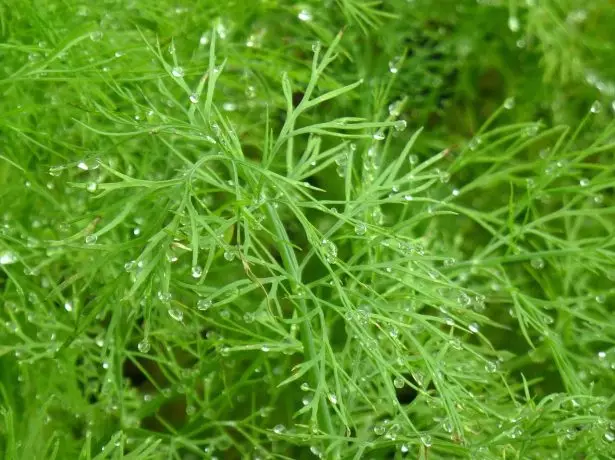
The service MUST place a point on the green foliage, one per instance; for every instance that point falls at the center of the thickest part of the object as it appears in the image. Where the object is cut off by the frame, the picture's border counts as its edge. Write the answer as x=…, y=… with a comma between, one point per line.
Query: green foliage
x=341, y=229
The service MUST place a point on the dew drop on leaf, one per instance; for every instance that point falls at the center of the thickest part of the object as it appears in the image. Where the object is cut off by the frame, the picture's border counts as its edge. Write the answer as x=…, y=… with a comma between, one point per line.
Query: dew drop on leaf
x=144, y=346
x=305, y=15
x=537, y=263
x=400, y=125
x=196, y=271
x=7, y=258
x=513, y=23
x=379, y=429
x=176, y=314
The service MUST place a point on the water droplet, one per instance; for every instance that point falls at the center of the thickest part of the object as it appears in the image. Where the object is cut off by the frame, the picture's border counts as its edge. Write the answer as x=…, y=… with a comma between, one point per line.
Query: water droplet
x=515, y=432
x=449, y=261
x=378, y=215
x=584, y=182
x=176, y=314
x=330, y=251
x=378, y=136
x=55, y=171
x=509, y=103
x=426, y=440
x=248, y=317
x=413, y=160
x=379, y=429
x=177, y=72
x=530, y=183
x=418, y=377
x=91, y=239
x=305, y=386
x=316, y=451
x=194, y=98
x=531, y=130
x=400, y=125
x=394, y=64
x=474, y=328
x=221, y=30
x=491, y=366
x=332, y=398
x=204, y=40
x=537, y=263
x=360, y=229
x=475, y=142
x=130, y=266
x=68, y=306
x=455, y=343
x=393, y=431
x=279, y=429
x=395, y=108
x=144, y=346
x=464, y=299
x=164, y=296
x=7, y=258
x=600, y=298
x=96, y=35
x=92, y=187
x=609, y=436
x=404, y=449
x=399, y=382
x=444, y=176
x=305, y=15
x=229, y=255
x=596, y=107
x=250, y=92
x=197, y=271
x=408, y=197
x=229, y=106
x=316, y=46
x=513, y=23
x=204, y=304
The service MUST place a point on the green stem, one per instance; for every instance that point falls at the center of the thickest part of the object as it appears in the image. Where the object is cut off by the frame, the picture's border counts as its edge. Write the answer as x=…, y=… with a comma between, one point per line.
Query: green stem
x=307, y=338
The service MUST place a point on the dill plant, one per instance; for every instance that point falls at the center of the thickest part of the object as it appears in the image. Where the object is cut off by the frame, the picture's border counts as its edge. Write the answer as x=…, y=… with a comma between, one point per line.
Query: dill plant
x=340, y=230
